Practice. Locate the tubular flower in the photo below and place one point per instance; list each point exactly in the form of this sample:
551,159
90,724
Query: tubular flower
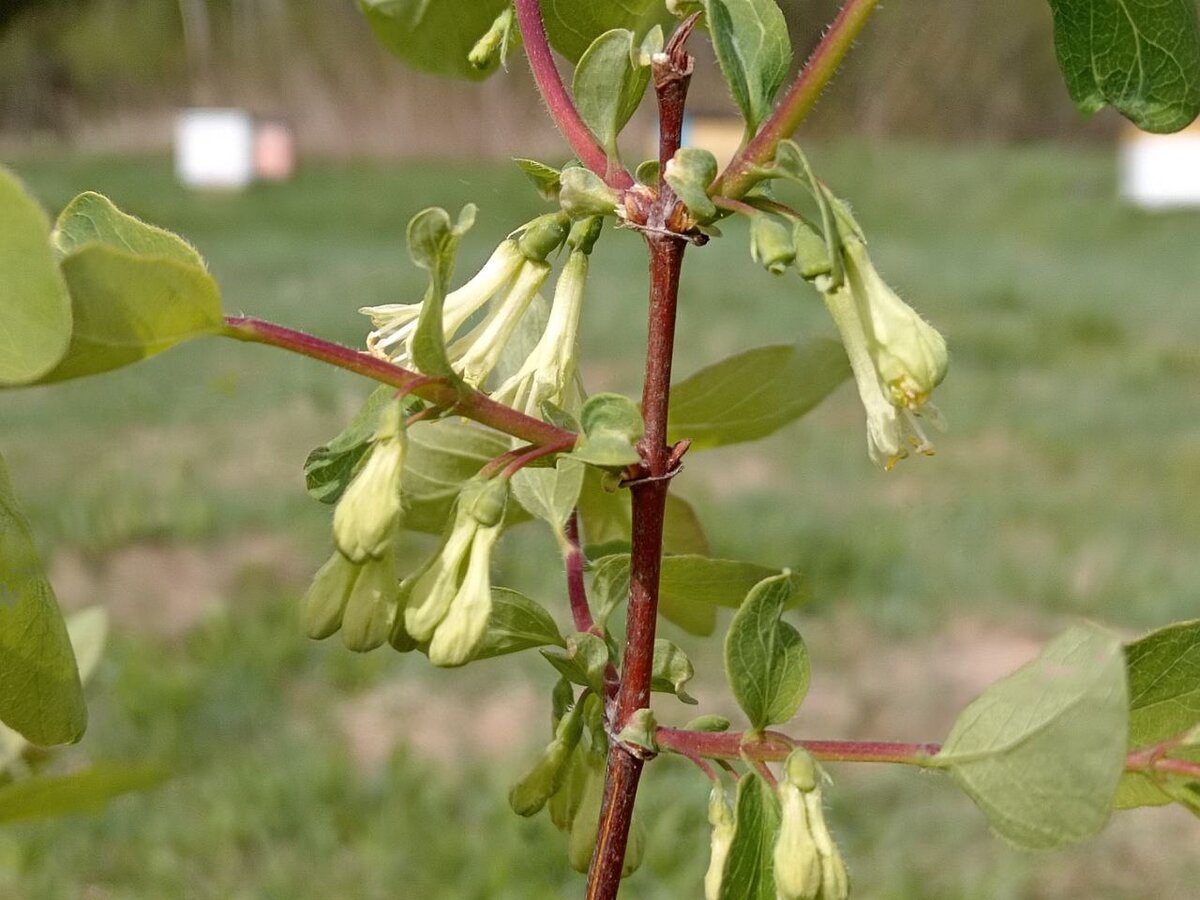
549,370
720,817
396,323
510,279
896,356
808,865
448,603
367,514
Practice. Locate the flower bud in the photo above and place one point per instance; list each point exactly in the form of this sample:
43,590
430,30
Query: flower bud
544,235
635,849
800,770
835,881
492,48
564,803
460,632
910,355
797,860
325,601
372,606
720,817
488,504
772,245
548,774
585,194
584,827
367,514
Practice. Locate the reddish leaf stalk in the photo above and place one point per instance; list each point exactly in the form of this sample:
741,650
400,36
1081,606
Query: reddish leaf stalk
649,491
581,613
558,101
461,400
800,99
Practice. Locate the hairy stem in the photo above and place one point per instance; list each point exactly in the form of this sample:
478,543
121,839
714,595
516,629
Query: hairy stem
558,101
649,490
800,99
461,400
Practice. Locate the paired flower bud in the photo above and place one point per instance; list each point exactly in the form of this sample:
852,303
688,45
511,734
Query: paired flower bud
449,601
369,511
807,863
549,772
492,48
360,599
772,244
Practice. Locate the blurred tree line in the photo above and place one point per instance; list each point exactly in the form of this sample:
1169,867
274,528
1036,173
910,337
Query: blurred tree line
109,73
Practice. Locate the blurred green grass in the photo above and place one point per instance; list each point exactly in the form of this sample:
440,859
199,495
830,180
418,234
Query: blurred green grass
1065,486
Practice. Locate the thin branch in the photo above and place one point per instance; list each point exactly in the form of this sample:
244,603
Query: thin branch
800,99
581,613
459,399
775,747
558,101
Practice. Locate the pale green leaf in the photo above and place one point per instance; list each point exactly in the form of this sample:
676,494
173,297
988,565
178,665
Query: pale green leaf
40,693
86,791
750,866
1041,751
609,84
612,425
35,309
128,308
433,244
1140,56
689,173
755,393
92,218
441,456
582,661
671,671
433,35
573,25
766,661
550,494
1164,701
547,179
754,51
517,623
330,467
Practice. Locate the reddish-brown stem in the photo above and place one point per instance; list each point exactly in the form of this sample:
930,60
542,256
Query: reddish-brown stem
558,101
581,613
800,99
458,399
774,747
649,490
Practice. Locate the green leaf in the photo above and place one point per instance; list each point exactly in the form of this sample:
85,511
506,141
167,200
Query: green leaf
750,866
330,467
671,671
93,219
35,309
755,393
1041,751
691,588
1163,669
609,84
1140,56
441,456
547,179
683,533
433,35
128,308
607,520
550,494
765,658
433,244
40,693
689,173
86,791
754,51
573,25
517,623
612,425
583,660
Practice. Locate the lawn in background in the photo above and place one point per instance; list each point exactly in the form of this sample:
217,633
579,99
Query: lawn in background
172,494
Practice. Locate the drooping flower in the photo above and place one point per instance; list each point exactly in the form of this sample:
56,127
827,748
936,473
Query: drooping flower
449,602
548,372
807,863
720,818
897,357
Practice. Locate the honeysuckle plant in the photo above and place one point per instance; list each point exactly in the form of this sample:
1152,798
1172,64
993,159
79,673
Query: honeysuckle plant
1047,754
